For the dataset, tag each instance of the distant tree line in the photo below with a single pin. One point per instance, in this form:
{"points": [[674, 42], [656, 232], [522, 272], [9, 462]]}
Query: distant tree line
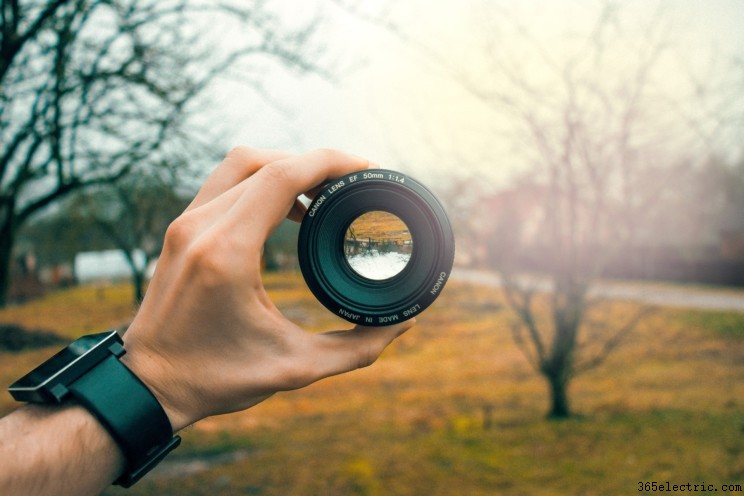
{"points": [[693, 233]]}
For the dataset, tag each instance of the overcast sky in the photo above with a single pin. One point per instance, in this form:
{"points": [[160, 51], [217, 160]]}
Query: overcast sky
{"points": [[397, 100]]}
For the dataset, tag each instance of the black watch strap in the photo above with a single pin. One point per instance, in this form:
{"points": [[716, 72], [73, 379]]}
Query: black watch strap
{"points": [[129, 412]]}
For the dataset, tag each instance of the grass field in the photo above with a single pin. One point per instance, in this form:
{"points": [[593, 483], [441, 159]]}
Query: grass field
{"points": [[379, 226], [453, 408]]}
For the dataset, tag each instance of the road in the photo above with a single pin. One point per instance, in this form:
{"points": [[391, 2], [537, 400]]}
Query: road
{"points": [[655, 293]]}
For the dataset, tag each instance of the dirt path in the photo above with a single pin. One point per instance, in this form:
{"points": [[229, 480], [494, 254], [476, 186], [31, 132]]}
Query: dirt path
{"points": [[655, 293]]}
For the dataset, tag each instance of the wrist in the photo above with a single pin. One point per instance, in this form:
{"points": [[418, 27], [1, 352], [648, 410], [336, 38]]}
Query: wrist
{"points": [[154, 372], [89, 373]]}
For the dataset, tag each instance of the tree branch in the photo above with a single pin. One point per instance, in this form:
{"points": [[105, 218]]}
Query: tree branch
{"points": [[609, 344], [12, 41]]}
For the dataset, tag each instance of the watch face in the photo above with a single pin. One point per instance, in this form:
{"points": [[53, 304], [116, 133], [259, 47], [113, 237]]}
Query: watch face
{"points": [[47, 369], [63, 368]]}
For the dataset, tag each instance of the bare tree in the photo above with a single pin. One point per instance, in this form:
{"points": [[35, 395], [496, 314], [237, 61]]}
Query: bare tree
{"points": [[92, 89], [133, 214], [601, 127]]}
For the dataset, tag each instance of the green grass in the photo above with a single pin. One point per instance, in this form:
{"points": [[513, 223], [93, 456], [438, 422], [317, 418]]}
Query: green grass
{"points": [[453, 408], [725, 324]]}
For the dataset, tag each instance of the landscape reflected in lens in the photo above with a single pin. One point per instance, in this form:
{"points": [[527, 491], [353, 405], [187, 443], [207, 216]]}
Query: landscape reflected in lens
{"points": [[378, 245]]}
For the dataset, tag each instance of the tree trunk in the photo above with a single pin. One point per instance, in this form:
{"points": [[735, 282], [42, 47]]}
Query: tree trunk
{"points": [[7, 232], [138, 276], [138, 282], [559, 407]]}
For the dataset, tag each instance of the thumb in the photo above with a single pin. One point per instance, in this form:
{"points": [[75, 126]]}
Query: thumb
{"points": [[344, 351]]}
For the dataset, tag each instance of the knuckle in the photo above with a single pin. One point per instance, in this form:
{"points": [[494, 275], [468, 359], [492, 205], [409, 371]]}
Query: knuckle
{"points": [[241, 153], [366, 356], [277, 171], [246, 159], [330, 154], [296, 375], [206, 265], [298, 368], [179, 232]]}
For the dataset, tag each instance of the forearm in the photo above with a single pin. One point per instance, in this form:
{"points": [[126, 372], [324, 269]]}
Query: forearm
{"points": [[56, 450]]}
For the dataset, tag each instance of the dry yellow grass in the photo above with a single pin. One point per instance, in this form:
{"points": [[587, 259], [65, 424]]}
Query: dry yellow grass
{"points": [[380, 226], [453, 408], [76, 311]]}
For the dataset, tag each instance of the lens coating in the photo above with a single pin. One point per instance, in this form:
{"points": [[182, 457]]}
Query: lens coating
{"points": [[378, 245]]}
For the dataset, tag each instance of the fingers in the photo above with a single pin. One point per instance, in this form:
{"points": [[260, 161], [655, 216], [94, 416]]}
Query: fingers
{"points": [[344, 351], [317, 189], [239, 164], [297, 212], [273, 189], [278, 188]]}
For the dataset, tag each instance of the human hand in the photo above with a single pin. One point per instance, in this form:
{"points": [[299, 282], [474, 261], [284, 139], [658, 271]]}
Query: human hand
{"points": [[207, 338]]}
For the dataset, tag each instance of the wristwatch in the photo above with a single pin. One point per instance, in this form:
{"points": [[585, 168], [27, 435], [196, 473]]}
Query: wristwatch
{"points": [[89, 372]]}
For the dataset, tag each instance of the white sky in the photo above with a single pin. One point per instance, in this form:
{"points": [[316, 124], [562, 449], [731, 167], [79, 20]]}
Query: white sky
{"points": [[399, 108]]}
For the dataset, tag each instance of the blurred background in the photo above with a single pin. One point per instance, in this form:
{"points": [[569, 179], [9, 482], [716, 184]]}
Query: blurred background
{"points": [[591, 158]]}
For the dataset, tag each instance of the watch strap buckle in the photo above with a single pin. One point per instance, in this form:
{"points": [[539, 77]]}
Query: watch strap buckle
{"points": [[131, 476]]}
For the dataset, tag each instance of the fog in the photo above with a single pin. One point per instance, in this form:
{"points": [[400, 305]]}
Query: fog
{"points": [[396, 94]]}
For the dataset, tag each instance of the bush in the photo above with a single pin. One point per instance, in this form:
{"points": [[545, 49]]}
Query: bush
{"points": [[14, 337]]}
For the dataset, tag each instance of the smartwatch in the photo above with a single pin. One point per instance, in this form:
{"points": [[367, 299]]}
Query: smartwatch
{"points": [[89, 372]]}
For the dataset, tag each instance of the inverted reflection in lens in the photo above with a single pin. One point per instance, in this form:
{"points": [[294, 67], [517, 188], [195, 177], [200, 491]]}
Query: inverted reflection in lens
{"points": [[378, 245]]}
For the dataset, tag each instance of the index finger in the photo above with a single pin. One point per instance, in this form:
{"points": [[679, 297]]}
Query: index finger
{"points": [[240, 163], [272, 190]]}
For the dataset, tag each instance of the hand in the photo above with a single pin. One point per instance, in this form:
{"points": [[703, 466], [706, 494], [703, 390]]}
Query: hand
{"points": [[207, 339]]}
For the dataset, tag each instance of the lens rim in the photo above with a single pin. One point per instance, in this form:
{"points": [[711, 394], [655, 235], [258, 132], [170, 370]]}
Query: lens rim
{"points": [[337, 285]]}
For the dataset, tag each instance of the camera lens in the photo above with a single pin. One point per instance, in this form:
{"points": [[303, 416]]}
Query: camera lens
{"points": [[376, 247]]}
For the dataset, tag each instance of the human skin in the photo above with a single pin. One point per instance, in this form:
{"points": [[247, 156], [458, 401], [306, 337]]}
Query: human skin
{"points": [[207, 339]]}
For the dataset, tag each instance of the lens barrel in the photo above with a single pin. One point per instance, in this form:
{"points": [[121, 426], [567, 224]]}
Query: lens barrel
{"points": [[342, 289]]}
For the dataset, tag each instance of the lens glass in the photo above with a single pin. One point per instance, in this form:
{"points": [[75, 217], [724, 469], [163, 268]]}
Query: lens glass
{"points": [[378, 245]]}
